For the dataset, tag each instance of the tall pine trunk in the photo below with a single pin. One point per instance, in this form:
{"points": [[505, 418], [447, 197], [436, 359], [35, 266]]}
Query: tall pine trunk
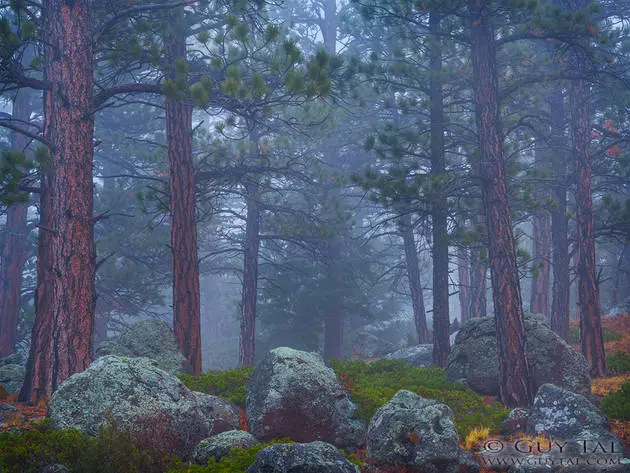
{"points": [[439, 204], [250, 275], [478, 286], [463, 273], [186, 294], [541, 235], [14, 244], [591, 337], [514, 382], [334, 322], [559, 219], [413, 275], [61, 343]]}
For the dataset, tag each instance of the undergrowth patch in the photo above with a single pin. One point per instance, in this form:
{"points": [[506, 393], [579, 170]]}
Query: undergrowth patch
{"points": [[230, 385], [373, 384], [112, 451], [617, 403]]}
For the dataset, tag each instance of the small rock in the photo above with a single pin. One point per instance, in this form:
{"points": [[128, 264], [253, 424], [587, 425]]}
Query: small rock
{"points": [[418, 355], [220, 445], [54, 468], [314, 457]]}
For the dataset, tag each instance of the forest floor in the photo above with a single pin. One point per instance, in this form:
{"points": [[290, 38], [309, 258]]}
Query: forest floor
{"points": [[602, 386], [30, 415]]}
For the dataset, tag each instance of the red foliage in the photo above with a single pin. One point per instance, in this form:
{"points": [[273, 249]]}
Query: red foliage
{"points": [[613, 151], [242, 420]]}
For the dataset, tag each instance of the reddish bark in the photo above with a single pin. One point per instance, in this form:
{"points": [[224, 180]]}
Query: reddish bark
{"points": [[61, 343], [463, 272], [413, 274], [541, 234], [591, 337], [515, 382], [250, 276], [559, 220], [13, 246], [439, 210], [186, 294]]}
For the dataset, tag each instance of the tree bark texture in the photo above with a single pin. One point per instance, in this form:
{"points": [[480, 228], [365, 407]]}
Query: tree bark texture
{"points": [[250, 276], [515, 384], [478, 285], [559, 220], [439, 204], [463, 273], [415, 285], [541, 246], [14, 245], [591, 337], [334, 323], [186, 293], [65, 298]]}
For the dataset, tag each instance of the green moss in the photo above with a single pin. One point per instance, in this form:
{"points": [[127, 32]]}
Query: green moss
{"points": [[618, 362], [617, 403], [373, 384], [112, 451], [239, 460], [230, 385], [609, 335]]}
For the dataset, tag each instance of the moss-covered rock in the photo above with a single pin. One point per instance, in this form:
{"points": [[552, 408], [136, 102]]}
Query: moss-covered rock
{"points": [[313, 457], [220, 445]]}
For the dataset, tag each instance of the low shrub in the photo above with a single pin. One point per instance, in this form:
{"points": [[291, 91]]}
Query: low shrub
{"points": [[112, 451], [238, 461], [617, 403], [618, 362], [230, 385], [373, 384]]}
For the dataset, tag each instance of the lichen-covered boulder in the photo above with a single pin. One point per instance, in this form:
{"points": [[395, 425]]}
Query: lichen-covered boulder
{"points": [[220, 445], [418, 355], [138, 396], [12, 377], [313, 457], [416, 432], [294, 394], [576, 433], [563, 414], [150, 338], [473, 358]]}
